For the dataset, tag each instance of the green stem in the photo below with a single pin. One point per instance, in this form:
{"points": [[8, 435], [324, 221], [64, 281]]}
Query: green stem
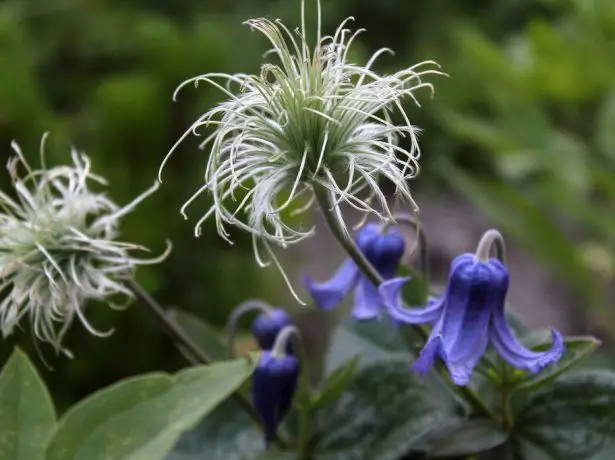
{"points": [[324, 202], [178, 335], [507, 421], [306, 422]]}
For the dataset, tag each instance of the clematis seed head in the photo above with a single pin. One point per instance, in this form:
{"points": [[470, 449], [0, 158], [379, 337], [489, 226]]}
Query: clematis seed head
{"points": [[59, 247], [312, 119]]}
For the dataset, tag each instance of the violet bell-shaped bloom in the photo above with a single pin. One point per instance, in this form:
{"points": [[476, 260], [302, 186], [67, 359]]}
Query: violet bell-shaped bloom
{"points": [[274, 382], [384, 251], [471, 314]]}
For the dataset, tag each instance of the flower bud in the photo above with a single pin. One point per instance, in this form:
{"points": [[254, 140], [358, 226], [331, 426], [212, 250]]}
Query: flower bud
{"points": [[274, 382], [268, 325]]}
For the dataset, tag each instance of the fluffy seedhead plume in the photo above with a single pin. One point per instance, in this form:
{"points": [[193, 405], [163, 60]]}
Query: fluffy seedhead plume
{"points": [[59, 247], [312, 120]]}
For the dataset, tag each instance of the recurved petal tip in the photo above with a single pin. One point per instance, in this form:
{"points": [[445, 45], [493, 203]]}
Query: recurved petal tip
{"points": [[329, 294]]}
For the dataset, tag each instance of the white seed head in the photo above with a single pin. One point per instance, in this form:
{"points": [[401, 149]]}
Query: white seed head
{"points": [[58, 247], [313, 119]]}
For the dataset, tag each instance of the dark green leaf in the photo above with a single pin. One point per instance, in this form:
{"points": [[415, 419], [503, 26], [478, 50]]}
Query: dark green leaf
{"points": [[227, 433], [577, 348], [201, 334], [27, 416], [335, 383], [278, 455], [573, 419], [416, 290], [385, 413], [469, 437], [373, 340], [141, 418]]}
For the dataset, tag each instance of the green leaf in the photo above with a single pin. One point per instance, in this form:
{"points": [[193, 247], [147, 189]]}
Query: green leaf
{"points": [[416, 290], [385, 413], [201, 333], [372, 339], [335, 384], [377, 341], [577, 348], [573, 419], [469, 437], [27, 416], [225, 434], [141, 418], [278, 455]]}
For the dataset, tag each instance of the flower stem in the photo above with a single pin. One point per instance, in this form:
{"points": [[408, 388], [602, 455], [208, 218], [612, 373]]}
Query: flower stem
{"points": [[324, 202], [306, 422], [178, 335]]}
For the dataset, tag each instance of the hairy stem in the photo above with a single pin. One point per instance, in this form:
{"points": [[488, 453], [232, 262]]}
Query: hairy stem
{"points": [[324, 202], [179, 336]]}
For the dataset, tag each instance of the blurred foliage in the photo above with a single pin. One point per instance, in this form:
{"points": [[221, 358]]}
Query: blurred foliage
{"points": [[537, 111], [523, 128]]}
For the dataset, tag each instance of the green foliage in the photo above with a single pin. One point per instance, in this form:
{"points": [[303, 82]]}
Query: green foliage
{"points": [[536, 113], [573, 419], [204, 336], [335, 384], [470, 437], [138, 418], [577, 349], [27, 416]]}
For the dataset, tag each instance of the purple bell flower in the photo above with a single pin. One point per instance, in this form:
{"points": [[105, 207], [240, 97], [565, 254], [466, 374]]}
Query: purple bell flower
{"points": [[384, 251], [267, 325], [274, 382], [468, 315]]}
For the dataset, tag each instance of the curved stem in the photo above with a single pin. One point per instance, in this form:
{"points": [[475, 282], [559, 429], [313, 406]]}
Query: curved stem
{"points": [[491, 239], [324, 202], [415, 223], [238, 312], [195, 354]]}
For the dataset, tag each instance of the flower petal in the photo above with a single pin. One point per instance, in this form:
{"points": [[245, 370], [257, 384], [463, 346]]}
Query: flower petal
{"points": [[462, 367], [473, 287], [430, 352], [329, 294], [390, 292], [367, 302], [516, 354]]}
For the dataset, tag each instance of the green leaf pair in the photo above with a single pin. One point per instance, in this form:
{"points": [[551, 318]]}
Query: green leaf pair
{"points": [[136, 419]]}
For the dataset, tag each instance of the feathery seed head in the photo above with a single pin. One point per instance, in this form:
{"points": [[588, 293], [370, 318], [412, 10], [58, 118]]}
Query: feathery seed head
{"points": [[58, 247], [313, 119]]}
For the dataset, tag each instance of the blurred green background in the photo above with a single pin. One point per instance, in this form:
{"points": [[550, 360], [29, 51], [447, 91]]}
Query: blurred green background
{"points": [[524, 129]]}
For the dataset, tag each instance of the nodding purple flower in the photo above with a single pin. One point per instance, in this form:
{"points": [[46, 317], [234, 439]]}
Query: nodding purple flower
{"points": [[274, 382], [384, 251], [267, 325], [469, 315]]}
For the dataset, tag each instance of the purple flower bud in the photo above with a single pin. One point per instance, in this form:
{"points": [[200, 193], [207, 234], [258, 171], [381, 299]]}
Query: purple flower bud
{"points": [[267, 325], [273, 386]]}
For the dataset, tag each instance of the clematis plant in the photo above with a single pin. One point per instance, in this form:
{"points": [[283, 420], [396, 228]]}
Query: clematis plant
{"points": [[313, 127]]}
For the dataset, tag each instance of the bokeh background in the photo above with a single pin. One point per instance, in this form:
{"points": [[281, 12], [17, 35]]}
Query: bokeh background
{"points": [[521, 136]]}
